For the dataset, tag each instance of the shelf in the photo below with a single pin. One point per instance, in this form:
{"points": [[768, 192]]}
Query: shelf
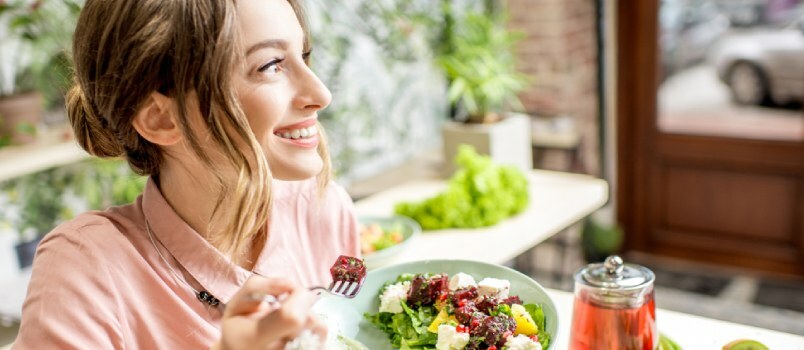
{"points": [[16, 161]]}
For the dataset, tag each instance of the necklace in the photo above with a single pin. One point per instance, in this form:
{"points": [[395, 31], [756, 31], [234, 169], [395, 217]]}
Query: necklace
{"points": [[203, 295]]}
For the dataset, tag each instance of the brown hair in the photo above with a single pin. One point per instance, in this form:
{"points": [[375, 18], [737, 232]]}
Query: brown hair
{"points": [[125, 50]]}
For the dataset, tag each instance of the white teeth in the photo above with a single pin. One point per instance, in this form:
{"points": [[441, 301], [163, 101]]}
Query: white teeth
{"points": [[299, 133]]}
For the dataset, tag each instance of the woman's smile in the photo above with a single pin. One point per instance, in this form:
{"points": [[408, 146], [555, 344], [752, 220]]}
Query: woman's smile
{"points": [[303, 134]]}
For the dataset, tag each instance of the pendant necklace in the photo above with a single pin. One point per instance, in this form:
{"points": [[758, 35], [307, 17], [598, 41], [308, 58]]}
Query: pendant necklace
{"points": [[203, 296]]}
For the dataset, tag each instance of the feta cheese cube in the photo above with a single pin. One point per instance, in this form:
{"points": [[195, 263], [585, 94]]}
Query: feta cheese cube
{"points": [[393, 296], [461, 280], [450, 339], [521, 342], [492, 287]]}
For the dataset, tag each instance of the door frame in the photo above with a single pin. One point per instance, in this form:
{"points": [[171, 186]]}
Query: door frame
{"points": [[642, 149]]}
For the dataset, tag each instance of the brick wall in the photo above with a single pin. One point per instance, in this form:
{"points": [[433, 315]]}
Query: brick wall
{"points": [[560, 51]]}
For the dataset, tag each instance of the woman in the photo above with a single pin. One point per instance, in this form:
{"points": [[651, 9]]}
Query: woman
{"points": [[215, 101]]}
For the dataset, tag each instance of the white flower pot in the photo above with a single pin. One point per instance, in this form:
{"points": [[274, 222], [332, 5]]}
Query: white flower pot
{"points": [[9, 266], [507, 141]]}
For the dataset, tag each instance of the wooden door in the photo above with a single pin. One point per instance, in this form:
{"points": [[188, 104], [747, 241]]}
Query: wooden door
{"points": [[719, 185]]}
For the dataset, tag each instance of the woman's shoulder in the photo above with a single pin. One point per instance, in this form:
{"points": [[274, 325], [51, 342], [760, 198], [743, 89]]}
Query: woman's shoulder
{"points": [[98, 230]]}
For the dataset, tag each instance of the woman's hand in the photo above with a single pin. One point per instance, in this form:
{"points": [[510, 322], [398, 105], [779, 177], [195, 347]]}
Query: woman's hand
{"points": [[250, 323]]}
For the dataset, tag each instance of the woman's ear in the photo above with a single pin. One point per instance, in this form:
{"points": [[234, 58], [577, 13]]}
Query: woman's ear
{"points": [[157, 122]]}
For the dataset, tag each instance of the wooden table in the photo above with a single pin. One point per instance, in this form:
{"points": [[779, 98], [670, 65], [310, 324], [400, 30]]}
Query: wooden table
{"points": [[558, 200]]}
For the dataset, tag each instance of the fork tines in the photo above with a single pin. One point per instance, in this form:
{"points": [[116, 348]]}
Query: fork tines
{"points": [[345, 288]]}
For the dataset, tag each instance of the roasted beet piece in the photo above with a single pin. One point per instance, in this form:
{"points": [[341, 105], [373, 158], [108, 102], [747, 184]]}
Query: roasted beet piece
{"points": [[425, 290], [464, 294], [476, 320], [494, 330], [464, 313], [486, 304], [348, 269], [512, 300], [475, 344]]}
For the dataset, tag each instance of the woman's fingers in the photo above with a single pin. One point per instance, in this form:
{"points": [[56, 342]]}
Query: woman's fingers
{"points": [[250, 322], [319, 328], [291, 317], [250, 297]]}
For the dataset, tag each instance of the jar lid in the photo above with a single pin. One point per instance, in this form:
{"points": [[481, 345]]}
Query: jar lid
{"points": [[614, 274]]}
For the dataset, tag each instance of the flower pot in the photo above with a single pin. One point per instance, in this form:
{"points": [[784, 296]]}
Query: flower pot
{"points": [[26, 252], [507, 141], [20, 115], [9, 266]]}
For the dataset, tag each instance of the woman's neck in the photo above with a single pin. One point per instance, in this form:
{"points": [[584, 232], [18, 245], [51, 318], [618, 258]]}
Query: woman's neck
{"points": [[193, 195]]}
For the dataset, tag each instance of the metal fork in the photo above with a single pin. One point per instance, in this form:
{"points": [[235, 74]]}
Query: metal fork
{"points": [[342, 288], [339, 287]]}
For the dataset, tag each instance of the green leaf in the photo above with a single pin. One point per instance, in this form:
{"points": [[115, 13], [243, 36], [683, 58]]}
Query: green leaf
{"points": [[480, 193], [537, 314]]}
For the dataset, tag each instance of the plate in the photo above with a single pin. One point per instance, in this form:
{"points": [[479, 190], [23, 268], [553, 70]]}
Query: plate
{"points": [[410, 229], [345, 316]]}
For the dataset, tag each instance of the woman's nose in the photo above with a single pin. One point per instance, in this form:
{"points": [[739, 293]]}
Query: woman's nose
{"points": [[311, 94]]}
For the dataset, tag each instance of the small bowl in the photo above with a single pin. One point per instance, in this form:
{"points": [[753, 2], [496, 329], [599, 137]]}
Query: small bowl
{"points": [[410, 229]]}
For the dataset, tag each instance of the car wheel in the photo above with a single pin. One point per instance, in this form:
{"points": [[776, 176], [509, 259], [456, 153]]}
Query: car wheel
{"points": [[748, 84]]}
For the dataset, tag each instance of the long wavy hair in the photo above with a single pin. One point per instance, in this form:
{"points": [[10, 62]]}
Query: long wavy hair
{"points": [[124, 50]]}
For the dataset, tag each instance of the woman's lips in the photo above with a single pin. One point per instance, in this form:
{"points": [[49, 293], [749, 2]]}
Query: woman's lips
{"points": [[302, 134], [300, 125]]}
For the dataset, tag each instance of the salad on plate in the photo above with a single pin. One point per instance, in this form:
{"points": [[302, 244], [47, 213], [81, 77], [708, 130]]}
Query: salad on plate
{"points": [[438, 311], [374, 237]]}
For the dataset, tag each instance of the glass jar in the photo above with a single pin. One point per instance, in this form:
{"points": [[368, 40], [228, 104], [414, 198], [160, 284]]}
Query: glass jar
{"points": [[614, 307]]}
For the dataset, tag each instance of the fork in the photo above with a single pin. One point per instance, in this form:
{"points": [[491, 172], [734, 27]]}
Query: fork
{"points": [[341, 288], [345, 285]]}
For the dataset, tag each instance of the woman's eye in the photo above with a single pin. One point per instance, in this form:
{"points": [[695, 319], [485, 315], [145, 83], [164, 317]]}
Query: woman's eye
{"points": [[271, 67]]}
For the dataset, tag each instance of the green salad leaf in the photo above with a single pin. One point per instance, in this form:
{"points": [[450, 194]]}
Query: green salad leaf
{"points": [[537, 314], [407, 330], [480, 193]]}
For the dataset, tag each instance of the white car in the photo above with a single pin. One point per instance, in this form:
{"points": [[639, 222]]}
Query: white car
{"points": [[763, 65]]}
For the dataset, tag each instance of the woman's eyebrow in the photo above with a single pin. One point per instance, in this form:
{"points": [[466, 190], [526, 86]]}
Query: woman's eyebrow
{"points": [[275, 43]]}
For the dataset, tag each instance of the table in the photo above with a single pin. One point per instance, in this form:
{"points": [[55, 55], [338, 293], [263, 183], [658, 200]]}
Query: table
{"points": [[557, 200], [689, 331]]}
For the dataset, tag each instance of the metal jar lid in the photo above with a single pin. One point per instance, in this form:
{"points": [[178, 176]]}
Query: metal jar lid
{"points": [[613, 274]]}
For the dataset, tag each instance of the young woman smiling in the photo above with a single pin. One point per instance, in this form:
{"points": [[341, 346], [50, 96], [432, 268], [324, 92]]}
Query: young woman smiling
{"points": [[215, 101]]}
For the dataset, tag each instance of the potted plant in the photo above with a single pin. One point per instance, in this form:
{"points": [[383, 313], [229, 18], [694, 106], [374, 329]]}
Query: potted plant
{"points": [[33, 205], [479, 63], [36, 206], [601, 236], [34, 67]]}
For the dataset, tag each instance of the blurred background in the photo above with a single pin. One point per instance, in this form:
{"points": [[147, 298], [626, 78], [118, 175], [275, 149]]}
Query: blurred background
{"points": [[690, 109]]}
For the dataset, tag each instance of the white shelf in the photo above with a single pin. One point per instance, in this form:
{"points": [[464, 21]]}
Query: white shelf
{"points": [[16, 161]]}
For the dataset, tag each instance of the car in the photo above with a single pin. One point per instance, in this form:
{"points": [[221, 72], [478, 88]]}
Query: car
{"points": [[762, 66], [688, 28]]}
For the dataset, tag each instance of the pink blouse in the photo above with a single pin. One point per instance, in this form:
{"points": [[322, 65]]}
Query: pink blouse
{"points": [[99, 283]]}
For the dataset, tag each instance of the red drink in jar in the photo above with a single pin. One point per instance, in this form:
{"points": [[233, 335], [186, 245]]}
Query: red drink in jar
{"points": [[614, 308]]}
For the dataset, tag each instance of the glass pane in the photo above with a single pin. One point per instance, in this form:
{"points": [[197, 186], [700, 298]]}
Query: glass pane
{"points": [[732, 68]]}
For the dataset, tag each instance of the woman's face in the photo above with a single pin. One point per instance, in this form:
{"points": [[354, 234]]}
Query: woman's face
{"points": [[279, 93]]}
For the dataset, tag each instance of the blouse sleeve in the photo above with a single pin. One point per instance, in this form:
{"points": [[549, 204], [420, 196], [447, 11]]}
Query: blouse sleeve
{"points": [[71, 301]]}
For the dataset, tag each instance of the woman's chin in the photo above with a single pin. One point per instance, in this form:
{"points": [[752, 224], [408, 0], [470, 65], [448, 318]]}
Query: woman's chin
{"points": [[297, 171]]}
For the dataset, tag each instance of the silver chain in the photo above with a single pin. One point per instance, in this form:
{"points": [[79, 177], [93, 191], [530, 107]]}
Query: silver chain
{"points": [[203, 296]]}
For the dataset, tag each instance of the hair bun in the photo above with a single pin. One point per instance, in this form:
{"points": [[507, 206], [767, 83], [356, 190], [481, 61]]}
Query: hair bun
{"points": [[92, 131]]}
